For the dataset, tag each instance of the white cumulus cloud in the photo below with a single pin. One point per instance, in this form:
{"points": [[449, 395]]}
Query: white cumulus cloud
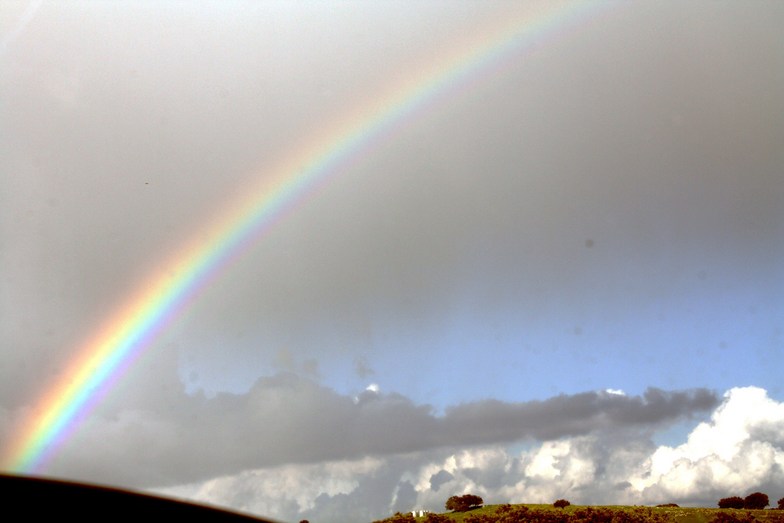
{"points": [[740, 448]]}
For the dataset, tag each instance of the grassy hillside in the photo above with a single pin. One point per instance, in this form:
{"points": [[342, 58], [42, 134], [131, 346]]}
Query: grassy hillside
{"points": [[585, 514]]}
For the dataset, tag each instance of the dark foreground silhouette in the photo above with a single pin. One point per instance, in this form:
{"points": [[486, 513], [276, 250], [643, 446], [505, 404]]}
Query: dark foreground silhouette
{"points": [[38, 499]]}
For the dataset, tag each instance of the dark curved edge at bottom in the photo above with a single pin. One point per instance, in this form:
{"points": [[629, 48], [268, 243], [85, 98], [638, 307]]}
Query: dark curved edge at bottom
{"points": [[41, 499]]}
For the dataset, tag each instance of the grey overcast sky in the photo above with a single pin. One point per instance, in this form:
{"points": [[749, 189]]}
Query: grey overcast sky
{"points": [[559, 275]]}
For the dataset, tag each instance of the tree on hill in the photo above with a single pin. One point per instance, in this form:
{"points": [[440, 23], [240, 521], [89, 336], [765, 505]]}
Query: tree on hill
{"points": [[731, 502], [561, 503], [756, 501], [463, 503], [781, 504]]}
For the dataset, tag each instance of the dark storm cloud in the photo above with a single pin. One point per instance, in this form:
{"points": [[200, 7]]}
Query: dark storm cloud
{"points": [[285, 419], [493, 420], [439, 478]]}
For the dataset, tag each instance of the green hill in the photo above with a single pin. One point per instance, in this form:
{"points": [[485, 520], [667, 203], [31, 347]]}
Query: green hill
{"points": [[593, 514]]}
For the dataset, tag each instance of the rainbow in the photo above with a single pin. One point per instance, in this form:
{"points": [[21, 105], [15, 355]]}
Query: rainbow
{"points": [[133, 328]]}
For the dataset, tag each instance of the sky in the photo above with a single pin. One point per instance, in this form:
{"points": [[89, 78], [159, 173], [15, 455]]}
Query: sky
{"points": [[536, 250]]}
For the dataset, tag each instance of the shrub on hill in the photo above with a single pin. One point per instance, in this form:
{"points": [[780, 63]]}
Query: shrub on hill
{"points": [[398, 518], [731, 502], [756, 501], [730, 517], [561, 503]]}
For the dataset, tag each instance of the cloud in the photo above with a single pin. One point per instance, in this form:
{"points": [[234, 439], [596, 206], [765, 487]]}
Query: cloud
{"points": [[284, 490], [287, 419], [21, 24], [339, 490], [492, 420], [741, 448], [361, 367], [608, 466]]}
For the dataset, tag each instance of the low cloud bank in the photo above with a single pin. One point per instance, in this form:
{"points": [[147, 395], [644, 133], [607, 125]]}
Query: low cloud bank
{"points": [[286, 419], [739, 450]]}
